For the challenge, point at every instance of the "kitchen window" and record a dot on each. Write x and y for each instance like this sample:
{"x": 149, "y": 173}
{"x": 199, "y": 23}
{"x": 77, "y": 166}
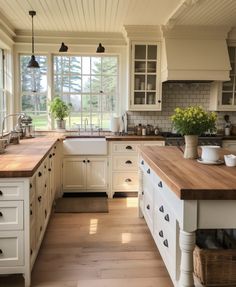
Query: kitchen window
{"x": 34, "y": 90}
{"x": 2, "y": 88}
{"x": 90, "y": 84}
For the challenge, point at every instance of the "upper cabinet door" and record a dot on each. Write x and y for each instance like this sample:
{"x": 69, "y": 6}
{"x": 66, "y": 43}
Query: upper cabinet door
{"x": 145, "y": 82}
{"x": 223, "y": 94}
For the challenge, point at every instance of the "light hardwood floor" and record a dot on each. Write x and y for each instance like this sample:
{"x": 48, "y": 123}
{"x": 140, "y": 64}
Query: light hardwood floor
{"x": 112, "y": 249}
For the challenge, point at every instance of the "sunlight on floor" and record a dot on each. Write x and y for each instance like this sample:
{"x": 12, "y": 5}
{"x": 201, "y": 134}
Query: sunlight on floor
{"x": 131, "y": 202}
{"x": 93, "y": 226}
{"x": 125, "y": 238}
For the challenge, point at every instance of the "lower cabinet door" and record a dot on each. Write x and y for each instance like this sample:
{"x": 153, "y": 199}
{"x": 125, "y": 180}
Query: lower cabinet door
{"x": 96, "y": 173}
{"x": 11, "y": 248}
{"x": 125, "y": 181}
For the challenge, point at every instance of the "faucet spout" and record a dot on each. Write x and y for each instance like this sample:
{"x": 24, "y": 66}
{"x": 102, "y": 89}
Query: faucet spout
{"x": 11, "y": 115}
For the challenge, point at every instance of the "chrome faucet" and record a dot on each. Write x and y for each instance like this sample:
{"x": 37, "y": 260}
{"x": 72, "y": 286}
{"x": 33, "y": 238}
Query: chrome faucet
{"x": 18, "y": 121}
{"x": 85, "y": 124}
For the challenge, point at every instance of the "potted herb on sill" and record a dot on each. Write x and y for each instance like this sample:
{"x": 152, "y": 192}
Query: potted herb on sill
{"x": 60, "y": 110}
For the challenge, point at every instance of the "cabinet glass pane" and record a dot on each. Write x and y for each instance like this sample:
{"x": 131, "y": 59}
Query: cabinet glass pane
{"x": 227, "y": 98}
{"x": 138, "y": 79}
{"x": 140, "y": 67}
{"x": 152, "y": 52}
{"x": 140, "y": 52}
{"x": 151, "y": 82}
{"x": 151, "y": 67}
{"x": 139, "y": 98}
{"x": 151, "y": 98}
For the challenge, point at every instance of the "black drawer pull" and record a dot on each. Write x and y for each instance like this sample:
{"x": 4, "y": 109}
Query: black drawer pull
{"x": 31, "y": 212}
{"x": 167, "y": 218}
{"x": 161, "y": 209}
{"x": 148, "y": 207}
{"x": 128, "y": 180}
{"x": 53, "y": 154}
{"x": 49, "y": 169}
{"x": 161, "y": 233}
{"x": 149, "y": 171}
{"x": 160, "y": 184}
{"x": 165, "y": 242}
{"x": 45, "y": 166}
{"x": 39, "y": 174}
{"x": 1, "y": 193}
{"x": 128, "y": 162}
{"x": 31, "y": 251}
{"x": 1, "y": 214}
{"x": 142, "y": 162}
{"x": 31, "y": 185}
{"x": 142, "y": 192}
{"x": 1, "y": 252}
{"x": 39, "y": 198}
{"x": 45, "y": 185}
{"x": 128, "y": 147}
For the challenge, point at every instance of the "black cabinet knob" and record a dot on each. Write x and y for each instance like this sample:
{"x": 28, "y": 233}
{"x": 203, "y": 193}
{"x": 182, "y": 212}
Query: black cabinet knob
{"x": 149, "y": 171}
{"x": 49, "y": 169}
{"x": 31, "y": 212}
{"x": 159, "y": 101}
{"x": 84, "y": 161}
{"x": 128, "y": 162}
{"x": 31, "y": 185}
{"x": 161, "y": 233}
{"x": 167, "y": 218}
{"x": 142, "y": 192}
{"x": 88, "y": 161}
{"x": 53, "y": 154}
{"x": 1, "y": 252}
{"x": 161, "y": 209}
{"x": 1, "y": 193}
{"x": 39, "y": 198}
{"x": 142, "y": 162}
{"x": 128, "y": 147}
{"x": 50, "y": 156}
{"x": 165, "y": 242}
{"x": 148, "y": 207}
{"x": 39, "y": 174}
{"x": 160, "y": 184}
{"x": 1, "y": 214}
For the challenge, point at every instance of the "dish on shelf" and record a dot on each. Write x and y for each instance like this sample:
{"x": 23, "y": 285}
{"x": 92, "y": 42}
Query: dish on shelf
{"x": 217, "y": 162}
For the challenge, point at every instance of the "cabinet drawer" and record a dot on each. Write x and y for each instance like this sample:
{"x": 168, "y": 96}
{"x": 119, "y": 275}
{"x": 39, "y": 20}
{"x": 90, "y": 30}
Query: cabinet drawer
{"x": 11, "y": 215}
{"x": 129, "y": 162}
{"x": 11, "y": 190}
{"x": 124, "y": 147}
{"x": 123, "y": 181}
{"x": 11, "y": 248}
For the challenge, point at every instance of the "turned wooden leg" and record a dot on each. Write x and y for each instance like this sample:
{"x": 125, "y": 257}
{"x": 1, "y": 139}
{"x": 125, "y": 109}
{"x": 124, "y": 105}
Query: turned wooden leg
{"x": 186, "y": 243}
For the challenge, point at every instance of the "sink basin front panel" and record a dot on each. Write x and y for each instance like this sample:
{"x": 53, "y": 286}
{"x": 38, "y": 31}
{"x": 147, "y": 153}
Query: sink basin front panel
{"x": 88, "y": 146}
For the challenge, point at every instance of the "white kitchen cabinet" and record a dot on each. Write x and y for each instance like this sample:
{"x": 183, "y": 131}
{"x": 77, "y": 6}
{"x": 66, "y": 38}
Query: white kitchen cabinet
{"x": 124, "y": 164}
{"x": 145, "y": 84}
{"x": 25, "y": 206}
{"x": 223, "y": 94}
{"x": 85, "y": 174}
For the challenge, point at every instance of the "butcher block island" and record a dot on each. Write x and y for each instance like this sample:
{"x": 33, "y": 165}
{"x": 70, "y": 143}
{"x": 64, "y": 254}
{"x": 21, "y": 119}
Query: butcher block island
{"x": 178, "y": 196}
{"x": 28, "y": 184}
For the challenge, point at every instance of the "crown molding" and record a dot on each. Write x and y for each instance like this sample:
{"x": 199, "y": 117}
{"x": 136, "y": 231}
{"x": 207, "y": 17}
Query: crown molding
{"x": 142, "y": 32}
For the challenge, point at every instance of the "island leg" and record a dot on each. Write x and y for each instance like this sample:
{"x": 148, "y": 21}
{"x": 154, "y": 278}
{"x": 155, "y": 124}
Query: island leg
{"x": 187, "y": 244}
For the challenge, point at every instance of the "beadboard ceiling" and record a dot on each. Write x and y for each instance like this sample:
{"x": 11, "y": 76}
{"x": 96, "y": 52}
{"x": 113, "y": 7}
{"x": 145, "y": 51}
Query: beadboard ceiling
{"x": 111, "y": 15}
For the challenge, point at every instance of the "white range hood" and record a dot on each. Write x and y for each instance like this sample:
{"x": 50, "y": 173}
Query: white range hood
{"x": 195, "y": 54}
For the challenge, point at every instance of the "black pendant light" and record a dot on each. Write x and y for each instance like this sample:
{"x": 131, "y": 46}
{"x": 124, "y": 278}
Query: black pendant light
{"x": 100, "y": 48}
{"x": 33, "y": 63}
{"x": 63, "y": 48}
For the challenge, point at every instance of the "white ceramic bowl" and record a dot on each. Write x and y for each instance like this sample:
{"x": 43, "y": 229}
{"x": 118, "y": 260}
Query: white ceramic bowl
{"x": 230, "y": 160}
{"x": 210, "y": 153}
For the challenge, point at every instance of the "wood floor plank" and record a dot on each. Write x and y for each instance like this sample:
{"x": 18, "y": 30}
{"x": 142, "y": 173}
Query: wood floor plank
{"x": 97, "y": 250}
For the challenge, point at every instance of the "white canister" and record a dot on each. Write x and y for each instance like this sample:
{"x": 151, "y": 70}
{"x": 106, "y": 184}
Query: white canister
{"x": 115, "y": 124}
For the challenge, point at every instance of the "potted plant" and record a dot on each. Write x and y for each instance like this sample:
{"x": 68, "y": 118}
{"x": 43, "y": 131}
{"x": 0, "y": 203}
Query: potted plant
{"x": 60, "y": 110}
{"x": 192, "y": 122}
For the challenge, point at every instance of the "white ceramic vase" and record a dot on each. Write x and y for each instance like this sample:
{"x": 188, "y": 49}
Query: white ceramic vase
{"x": 191, "y": 143}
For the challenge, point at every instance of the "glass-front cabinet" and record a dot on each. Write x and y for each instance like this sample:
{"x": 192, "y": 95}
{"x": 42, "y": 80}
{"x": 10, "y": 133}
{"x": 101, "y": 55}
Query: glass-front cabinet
{"x": 223, "y": 94}
{"x": 145, "y": 77}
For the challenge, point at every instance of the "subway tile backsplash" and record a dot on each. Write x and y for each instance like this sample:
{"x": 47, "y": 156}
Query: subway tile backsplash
{"x": 177, "y": 95}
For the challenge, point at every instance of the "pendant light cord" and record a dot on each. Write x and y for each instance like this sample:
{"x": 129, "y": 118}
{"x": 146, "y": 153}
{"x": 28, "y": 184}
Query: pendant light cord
{"x": 32, "y": 34}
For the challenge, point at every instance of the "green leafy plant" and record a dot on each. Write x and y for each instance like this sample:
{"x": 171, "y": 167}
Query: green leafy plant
{"x": 193, "y": 121}
{"x": 59, "y": 108}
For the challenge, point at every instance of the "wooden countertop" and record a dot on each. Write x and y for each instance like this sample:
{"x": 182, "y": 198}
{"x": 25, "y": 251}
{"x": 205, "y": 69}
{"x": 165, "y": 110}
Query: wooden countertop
{"x": 190, "y": 179}
{"x": 23, "y": 159}
{"x": 134, "y": 138}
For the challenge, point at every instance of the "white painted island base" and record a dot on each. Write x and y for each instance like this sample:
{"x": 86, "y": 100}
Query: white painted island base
{"x": 173, "y": 222}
